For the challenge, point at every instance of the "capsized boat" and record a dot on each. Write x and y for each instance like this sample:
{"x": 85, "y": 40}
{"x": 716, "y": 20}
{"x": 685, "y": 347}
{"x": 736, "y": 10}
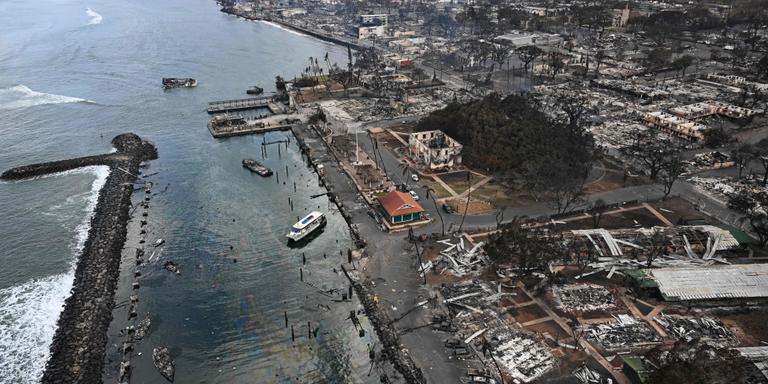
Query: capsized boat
{"x": 256, "y": 167}
{"x": 174, "y": 82}
{"x": 255, "y": 90}
{"x": 308, "y": 224}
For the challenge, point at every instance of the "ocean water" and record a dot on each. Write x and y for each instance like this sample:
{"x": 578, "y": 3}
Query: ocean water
{"x": 73, "y": 74}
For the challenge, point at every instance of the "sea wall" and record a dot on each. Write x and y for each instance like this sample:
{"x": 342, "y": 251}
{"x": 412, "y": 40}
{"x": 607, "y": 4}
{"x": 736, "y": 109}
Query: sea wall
{"x": 318, "y": 35}
{"x": 34, "y": 170}
{"x": 77, "y": 350}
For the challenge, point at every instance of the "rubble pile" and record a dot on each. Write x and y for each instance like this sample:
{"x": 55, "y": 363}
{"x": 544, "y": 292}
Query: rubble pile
{"x": 583, "y": 297}
{"x": 723, "y": 186}
{"x": 710, "y": 160}
{"x": 684, "y": 245}
{"x": 518, "y": 353}
{"x": 459, "y": 260}
{"x": 588, "y": 376}
{"x": 524, "y": 357}
{"x": 616, "y": 134}
{"x": 695, "y": 328}
{"x": 624, "y": 331}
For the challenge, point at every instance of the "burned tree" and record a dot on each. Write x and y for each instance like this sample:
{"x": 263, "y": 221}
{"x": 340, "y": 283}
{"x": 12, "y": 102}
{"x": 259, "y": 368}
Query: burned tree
{"x": 528, "y": 54}
{"x": 529, "y": 249}
{"x": 670, "y": 172}
{"x": 752, "y": 206}
{"x": 598, "y": 209}
{"x": 651, "y": 150}
{"x": 698, "y": 362}
{"x": 742, "y": 156}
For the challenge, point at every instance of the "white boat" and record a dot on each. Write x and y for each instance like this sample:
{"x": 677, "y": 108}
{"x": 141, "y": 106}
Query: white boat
{"x": 308, "y": 224}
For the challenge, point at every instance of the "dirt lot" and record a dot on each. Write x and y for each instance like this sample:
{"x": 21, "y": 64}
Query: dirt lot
{"x": 616, "y": 220}
{"x": 550, "y": 327}
{"x": 438, "y": 189}
{"x": 458, "y": 180}
{"x": 528, "y": 313}
{"x": 475, "y": 206}
{"x": 681, "y": 210}
{"x": 750, "y": 326}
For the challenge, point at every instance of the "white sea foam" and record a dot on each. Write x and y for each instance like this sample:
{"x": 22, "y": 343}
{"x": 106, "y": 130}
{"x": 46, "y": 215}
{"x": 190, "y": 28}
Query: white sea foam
{"x": 95, "y": 17}
{"x": 295, "y": 32}
{"x": 29, "y": 311}
{"x": 20, "y": 96}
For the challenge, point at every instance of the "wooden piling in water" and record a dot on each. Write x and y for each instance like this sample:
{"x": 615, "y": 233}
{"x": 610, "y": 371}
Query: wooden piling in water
{"x": 285, "y": 313}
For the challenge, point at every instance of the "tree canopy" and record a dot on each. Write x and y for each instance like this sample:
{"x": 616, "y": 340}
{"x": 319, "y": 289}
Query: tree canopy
{"x": 514, "y": 139}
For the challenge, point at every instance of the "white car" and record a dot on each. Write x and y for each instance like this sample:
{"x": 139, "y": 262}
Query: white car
{"x": 415, "y": 177}
{"x": 414, "y": 195}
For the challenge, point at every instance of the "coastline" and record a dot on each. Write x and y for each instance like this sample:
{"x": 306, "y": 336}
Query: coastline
{"x": 279, "y": 23}
{"x": 78, "y": 346}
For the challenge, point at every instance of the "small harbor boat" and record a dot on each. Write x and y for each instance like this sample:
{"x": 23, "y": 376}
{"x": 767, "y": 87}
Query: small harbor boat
{"x": 308, "y": 224}
{"x": 173, "y": 82}
{"x": 164, "y": 362}
{"x": 256, "y": 167}
{"x": 255, "y": 90}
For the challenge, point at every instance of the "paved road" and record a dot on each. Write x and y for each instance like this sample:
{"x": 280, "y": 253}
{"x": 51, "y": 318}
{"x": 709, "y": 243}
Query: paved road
{"x": 394, "y": 170}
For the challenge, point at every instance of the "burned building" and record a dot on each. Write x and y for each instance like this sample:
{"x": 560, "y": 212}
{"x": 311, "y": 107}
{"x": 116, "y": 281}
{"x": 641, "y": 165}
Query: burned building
{"x": 675, "y": 125}
{"x": 434, "y": 149}
{"x": 704, "y": 109}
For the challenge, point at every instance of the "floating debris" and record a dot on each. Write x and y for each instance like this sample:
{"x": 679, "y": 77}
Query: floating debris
{"x": 143, "y": 327}
{"x": 172, "y": 82}
{"x": 163, "y": 362}
{"x": 173, "y": 267}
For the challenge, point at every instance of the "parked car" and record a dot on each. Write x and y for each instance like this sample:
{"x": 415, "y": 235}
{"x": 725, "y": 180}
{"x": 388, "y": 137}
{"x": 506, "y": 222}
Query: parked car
{"x": 415, "y": 177}
{"x": 447, "y": 208}
{"x": 414, "y": 195}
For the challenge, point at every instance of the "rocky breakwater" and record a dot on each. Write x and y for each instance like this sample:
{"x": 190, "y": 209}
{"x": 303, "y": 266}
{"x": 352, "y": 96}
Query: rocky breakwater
{"x": 78, "y": 347}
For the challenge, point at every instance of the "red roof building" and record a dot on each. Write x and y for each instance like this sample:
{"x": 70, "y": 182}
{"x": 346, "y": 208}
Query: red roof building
{"x": 400, "y": 207}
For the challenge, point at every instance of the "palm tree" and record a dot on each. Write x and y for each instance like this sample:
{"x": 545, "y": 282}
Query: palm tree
{"x": 469, "y": 196}
{"x": 431, "y": 195}
{"x": 412, "y": 238}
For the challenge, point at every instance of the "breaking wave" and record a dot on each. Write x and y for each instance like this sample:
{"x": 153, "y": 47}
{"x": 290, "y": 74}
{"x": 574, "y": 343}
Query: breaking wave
{"x": 95, "y": 17}
{"x": 29, "y": 311}
{"x": 20, "y": 96}
{"x": 289, "y": 30}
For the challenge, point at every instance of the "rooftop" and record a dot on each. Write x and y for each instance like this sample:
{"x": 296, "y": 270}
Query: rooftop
{"x": 398, "y": 203}
{"x": 716, "y": 282}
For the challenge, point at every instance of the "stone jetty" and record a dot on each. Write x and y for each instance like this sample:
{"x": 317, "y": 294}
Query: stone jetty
{"x": 78, "y": 347}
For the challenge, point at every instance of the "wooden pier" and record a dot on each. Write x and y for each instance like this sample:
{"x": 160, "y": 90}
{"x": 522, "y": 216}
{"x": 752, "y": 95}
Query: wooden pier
{"x": 218, "y": 133}
{"x": 239, "y": 104}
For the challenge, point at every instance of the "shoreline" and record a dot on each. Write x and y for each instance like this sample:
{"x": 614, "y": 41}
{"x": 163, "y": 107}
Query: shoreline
{"x": 78, "y": 346}
{"x": 279, "y": 23}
